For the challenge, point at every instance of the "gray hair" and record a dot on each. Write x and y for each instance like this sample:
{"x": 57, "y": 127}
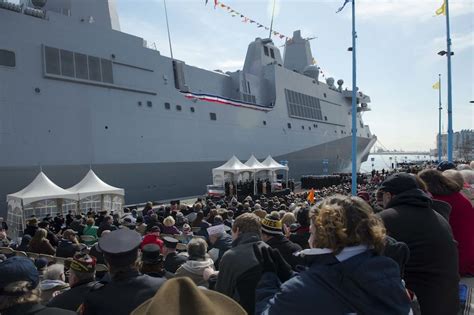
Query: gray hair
{"x": 54, "y": 272}
{"x": 197, "y": 248}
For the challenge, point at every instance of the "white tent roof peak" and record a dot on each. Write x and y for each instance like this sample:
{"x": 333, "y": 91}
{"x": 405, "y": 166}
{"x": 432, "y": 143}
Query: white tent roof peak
{"x": 41, "y": 188}
{"x": 233, "y": 165}
{"x": 254, "y": 164}
{"x": 270, "y": 163}
{"x": 91, "y": 185}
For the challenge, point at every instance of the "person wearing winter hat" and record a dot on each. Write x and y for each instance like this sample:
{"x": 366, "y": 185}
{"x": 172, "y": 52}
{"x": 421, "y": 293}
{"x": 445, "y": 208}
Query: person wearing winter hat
{"x": 120, "y": 248}
{"x": 81, "y": 280}
{"x": 18, "y": 289}
{"x": 272, "y": 234}
{"x": 445, "y": 165}
{"x": 151, "y": 262}
{"x": 180, "y": 296}
{"x": 432, "y": 268}
{"x": 197, "y": 262}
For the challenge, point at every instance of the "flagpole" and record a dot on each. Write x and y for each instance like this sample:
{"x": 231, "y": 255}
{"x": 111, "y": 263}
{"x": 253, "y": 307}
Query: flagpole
{"x": 440, "y": 148}
{"x": 168, "y": 28}
{"x": 354, "y": 105}
{"x": 450, "y": 97}
{"x": 271, "y": 23}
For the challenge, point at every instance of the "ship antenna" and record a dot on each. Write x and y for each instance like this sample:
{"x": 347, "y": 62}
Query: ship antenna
{"x": 168, "y": 28}
{"x": 271, "y": 23}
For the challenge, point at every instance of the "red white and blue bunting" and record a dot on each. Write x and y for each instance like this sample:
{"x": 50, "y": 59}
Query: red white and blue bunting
{"x": 225, "y": 101}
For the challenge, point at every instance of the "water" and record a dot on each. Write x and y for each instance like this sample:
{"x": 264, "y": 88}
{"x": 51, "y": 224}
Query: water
{"x": 379, "y": 162}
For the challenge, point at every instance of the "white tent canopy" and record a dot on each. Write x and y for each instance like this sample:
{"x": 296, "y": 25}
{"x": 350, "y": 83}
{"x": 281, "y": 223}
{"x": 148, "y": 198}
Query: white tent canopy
{"x": 270, "y": 164}
{"x": 40, "y": 198}
{"x": 232, "y": 166}
{"x": 91, "y": 185}
{"x": 41, "y": 188}
{"x": 93, "y": 193}
{"x": 255, "y": 165}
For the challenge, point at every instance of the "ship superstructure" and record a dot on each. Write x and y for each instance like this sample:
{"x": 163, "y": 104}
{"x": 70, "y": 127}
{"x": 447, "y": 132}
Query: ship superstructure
{"x": 76, "y": 91}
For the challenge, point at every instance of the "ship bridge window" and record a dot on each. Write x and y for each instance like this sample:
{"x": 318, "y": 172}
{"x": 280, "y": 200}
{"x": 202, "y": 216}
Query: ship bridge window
{"x": 7, "y": 58}
{"x": 80, "y": 61}
{"x": 94, "y": 68}
{"x": 51, "y": 56}
{"x": 67, "y": 63}
{"x": 272, "y": 53}
{"x": 303, "y": 106}
{"x": 72, "y": 64}
{"x": 265, "y": 50}
{"x": 213, "y": 116}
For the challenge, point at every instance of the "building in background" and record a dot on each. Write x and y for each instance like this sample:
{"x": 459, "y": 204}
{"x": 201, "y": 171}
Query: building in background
{"x": 463, "y": 145}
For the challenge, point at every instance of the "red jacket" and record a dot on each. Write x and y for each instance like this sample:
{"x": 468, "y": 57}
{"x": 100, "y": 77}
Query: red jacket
{"x": 461, "y": 220}
{"x": 152, "y": 239}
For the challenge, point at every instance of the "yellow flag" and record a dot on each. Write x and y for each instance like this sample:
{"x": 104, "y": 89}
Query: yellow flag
{"x": 442, "y": 9}
{"x": 436, "y": 85}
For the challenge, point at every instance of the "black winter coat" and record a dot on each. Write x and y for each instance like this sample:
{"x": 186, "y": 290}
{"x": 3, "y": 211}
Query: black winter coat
{"x": 432, "y": 269}
{"x": 71, "y": 299}
{"x": 121, "y": 296}
{"x": 286, "y": 248}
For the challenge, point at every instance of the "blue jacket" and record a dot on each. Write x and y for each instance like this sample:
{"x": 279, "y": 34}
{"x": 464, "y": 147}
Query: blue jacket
{"x": 363, "y": 284}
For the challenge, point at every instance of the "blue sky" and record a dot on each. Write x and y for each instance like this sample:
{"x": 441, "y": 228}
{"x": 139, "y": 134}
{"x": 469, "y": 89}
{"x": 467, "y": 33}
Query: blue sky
{"x": 397, "y": 46}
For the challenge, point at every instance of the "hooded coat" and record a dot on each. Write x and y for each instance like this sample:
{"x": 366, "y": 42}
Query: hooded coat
{"x": 364, "y": 284}
{"x": 432, "y": 269}
{"x": 194, "y": 269}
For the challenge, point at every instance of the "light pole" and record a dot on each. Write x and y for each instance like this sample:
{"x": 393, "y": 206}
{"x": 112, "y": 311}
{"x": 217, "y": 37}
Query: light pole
{"x": 354, "y": 105}
{"x": 448, "y": 54}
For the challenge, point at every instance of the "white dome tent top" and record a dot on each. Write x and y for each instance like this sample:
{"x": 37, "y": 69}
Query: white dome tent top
{"x": 271, "y": 164}
{"x": 233, "y": 166}
{"x": 254, "y": 164}
{"x": 91, "y": 185}
{"x": 41, "y": 188}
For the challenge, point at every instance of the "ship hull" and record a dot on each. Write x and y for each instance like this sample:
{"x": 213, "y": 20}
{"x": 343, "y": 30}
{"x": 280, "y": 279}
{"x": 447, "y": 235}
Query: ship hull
{"x": 163, "y": 181}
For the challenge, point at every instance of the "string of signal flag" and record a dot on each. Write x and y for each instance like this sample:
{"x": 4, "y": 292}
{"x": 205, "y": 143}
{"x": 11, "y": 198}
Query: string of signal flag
{"x": 245, "y": 19}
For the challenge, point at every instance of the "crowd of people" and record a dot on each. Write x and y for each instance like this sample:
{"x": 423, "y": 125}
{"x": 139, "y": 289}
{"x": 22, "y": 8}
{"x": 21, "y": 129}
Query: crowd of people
{"x": 403, "y": 245}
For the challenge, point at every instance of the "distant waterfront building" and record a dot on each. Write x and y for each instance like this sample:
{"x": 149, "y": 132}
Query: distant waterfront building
{"x": 463, "y": 144}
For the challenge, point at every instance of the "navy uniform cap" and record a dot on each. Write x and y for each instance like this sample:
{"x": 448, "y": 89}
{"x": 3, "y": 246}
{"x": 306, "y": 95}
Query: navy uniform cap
{"x": 119, "y": 242}
{"x": 170, "y": 242}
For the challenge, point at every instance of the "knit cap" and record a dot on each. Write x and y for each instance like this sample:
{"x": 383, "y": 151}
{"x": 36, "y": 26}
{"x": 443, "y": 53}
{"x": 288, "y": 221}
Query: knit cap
{"x": 272, "y": 225}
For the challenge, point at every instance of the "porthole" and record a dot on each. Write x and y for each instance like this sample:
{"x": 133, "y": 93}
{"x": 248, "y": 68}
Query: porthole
{"x": 167, "y": 106}
{"x": 149, "y": 104}
{"x": 178, "y": 108}
{"x": 264, "y": 123}
{"x": 192, "y": 109}
{"x": 289, "y": 125}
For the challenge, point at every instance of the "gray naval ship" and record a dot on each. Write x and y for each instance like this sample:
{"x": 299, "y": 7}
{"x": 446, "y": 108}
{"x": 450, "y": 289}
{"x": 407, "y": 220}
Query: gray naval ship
{"x": 76, "y": 91}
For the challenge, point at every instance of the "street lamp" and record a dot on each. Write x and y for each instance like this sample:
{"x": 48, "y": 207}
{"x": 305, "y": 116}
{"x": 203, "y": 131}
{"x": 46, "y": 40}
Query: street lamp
{"x": 443, "y": 52}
